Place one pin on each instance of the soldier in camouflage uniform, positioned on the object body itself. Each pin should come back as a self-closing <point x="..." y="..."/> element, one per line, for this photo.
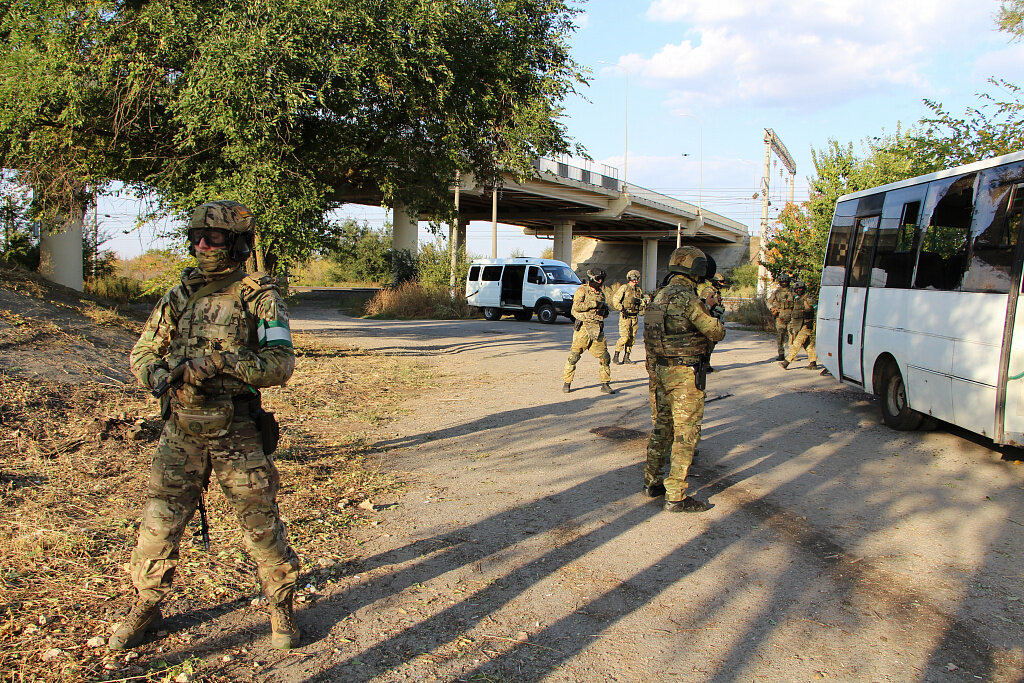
<point x="225" y="334"/>
<point x="709" y="292"/>
<point x="780" y="303"/>
<point x="629" y="300"/>
<point x="678" y="328"/>
<point x="801" y="327"/>
<point x="589" y="308"/>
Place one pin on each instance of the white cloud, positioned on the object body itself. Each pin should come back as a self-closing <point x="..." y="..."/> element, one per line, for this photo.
<point x="802" y="52"/>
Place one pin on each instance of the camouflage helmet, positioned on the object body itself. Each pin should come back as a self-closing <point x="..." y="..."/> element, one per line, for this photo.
<point x="633" y="275"/>
<point x="224" y="214"/>
<point x="718" y="280"/>
<point x="688" y="261"/>
<point x="596" y="274"/>
<point x="799" y="284"/>
<point x="784" y="279"/>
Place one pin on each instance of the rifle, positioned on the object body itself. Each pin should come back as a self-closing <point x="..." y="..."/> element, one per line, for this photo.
<point x="204" y="527"/>
<point x="171" y="380"/>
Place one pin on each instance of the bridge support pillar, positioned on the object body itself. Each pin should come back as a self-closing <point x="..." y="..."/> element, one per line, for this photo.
<point x="404" y="228"/>
<point x="562" y="248"/>
<point x="650" y="265"/>
<point x="60" y="253"/>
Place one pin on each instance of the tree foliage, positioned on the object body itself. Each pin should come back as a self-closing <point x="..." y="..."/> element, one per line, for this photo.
<point x="292" y="107"/>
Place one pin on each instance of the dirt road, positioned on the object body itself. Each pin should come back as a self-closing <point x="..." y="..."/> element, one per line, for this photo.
<point x="525" y="550"/>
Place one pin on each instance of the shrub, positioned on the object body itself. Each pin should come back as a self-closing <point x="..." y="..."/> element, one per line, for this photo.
<point x="743" y="276"/>
<point x="753" y="312"/>
<point x="118" y="288"/>
<point x="412" y="300"/>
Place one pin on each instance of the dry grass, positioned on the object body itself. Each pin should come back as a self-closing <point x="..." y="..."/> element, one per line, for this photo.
<point x="74" y="461"/>
<point x="752" y="312"/>
<point x="412" y="301"/>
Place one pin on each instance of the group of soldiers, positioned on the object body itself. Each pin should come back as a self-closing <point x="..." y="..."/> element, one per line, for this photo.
<point x="795" y="310"/>
<point x="221" y="334"/>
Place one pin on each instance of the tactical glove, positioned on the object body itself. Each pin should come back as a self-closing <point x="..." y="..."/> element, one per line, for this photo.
<point x="157" y="373"/>
<point x="718" y="310"/>
<point x="199" y="369"/>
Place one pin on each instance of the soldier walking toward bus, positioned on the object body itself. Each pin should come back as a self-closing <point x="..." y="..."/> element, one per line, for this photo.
<point x="801" y="326"/>
<point x="208" y="346"/>
<point x="678" y="329"/>
<point x="780" y="303"/>
<point x="589" y="308"/>
<point x="630" y="301"/>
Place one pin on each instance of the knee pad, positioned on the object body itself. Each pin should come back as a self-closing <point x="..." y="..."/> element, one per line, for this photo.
<point x="574" y="358"/>
<point x="606" y="359"/>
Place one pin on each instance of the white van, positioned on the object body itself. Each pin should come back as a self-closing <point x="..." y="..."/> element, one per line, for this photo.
<point x="520" y="287"/>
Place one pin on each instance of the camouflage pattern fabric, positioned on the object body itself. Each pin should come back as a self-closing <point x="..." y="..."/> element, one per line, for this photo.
<point x="629" y="299"/>
<point x="801" y="328"/>
<point x="590" y="309"/>
<point x="781" y="304"/>
<point x="677" y="405"/>
<point x="247" y="323"/>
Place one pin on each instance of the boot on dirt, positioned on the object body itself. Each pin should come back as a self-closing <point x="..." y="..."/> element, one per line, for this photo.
<point x="284" y="633"/>
<point x="654" y="490"/>
<point x="144" y="616"/>
<point x="709" y="369"/>
<point x="688" y="504"/>
<point x="565" y="388"/>
<point x="607" y="388"/>
<point x="812" y="366"/>
<point x="781" y="356"/>
<point x="615" y="359"/>
<point x="625" y="359"/>
<point x="784" y="364"/>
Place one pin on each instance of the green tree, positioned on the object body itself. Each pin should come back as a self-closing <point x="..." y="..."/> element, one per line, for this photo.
<point x="1011" y="18"/>
<point x="361" y="253"/>
<point x="293" y="107"/>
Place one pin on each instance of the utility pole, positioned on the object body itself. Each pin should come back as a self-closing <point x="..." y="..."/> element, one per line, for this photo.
<point x="772" y="143"/>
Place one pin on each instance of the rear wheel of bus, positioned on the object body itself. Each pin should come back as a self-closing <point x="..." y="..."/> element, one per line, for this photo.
<point x="546" y="313"/>
<point x="896" y="411"/>
<point x="491" y="313"/>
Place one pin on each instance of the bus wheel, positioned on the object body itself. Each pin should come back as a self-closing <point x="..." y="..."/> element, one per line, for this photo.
<point x="546" y="313"/>
<point x="491" y="313"/>
<point x="524" y="316"/>
<point x="896" y="412"/>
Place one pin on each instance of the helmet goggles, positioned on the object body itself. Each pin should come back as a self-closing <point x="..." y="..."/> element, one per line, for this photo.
<point x="215" y="237"/>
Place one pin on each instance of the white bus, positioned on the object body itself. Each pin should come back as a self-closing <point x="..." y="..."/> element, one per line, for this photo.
<point x="920" y="294"/>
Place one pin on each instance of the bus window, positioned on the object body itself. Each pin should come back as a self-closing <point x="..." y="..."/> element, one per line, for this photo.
<point x="535" y="276"/>
<point x="861" y="266"/>
<point x="474" y="273"/>
<point x="997" y="224"/>
<point x="491" y="274"/>
<point x="834" y="272"/>
<point x="943" y="256"/>
<point x="897" y="250"/>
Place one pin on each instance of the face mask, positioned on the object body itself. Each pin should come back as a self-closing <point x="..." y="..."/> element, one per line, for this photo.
<point x="214" y="262"/>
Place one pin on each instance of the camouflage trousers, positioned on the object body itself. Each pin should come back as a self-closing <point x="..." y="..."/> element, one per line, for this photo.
<point x="677" y="409"/>
<point x="181" y="466"/>
<point x="628" y="325"/>
<point x="782" y="330"/>
<point x="803" y="339"/>
<point x="582" y="341"/>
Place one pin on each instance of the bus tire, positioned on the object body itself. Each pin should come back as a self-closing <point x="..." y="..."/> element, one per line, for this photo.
<point x="546" y="313"/>
<point x="491" y="313"/>
<point x="896" y="412"/>
<point x="524" y="315"/>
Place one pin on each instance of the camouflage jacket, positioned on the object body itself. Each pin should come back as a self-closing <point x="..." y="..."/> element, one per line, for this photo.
<point x="709" y="294"/>
<point x="677" y="324"/>
<point x="781" y="303"/>
<point x="805" y="311"/>
<point x="629" y="299"/>
<point x="246" y="320"/>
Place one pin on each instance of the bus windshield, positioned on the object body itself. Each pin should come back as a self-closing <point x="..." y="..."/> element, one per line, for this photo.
<point x="561" y="275"/>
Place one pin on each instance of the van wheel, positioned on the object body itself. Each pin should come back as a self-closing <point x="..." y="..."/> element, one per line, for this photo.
<point x="896" y="412"/>
<point x="491" y="313"/>
<point x="524" y="316"/>
<point x="546" y="313"/>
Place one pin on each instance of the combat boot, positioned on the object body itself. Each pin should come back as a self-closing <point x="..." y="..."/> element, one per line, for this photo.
<point x="781" y="356"/>
<point x="615" y="359"/>
<point x="144" y="616"/>
<point x="688" y="504"/>
<point x="812" y="366"/>
<point x="625" y="359"/>
<point x="284" y="632"/>
<point x="784" y="364"/>
<point x="654" y="490"/>
<point x="565" y="388"/>
<point x="607" y="388"/>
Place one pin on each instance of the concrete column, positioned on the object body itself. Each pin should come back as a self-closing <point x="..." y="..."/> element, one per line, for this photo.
<point x="60" y="253"/>
<point x="562" y="248"/>
<point x="650" y="272"/>
<point x="404" y="228"/>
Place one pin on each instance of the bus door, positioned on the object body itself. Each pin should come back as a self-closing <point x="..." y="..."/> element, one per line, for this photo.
<point x="855" y="292"/>
<point x="1004" y="236"/>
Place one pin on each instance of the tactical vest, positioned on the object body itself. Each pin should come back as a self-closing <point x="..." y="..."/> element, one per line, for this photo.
<point x="785" y="299"/>
<point x="216" y="322"/>
<point x="630" y="300"/>
<point x="668" y="332"/>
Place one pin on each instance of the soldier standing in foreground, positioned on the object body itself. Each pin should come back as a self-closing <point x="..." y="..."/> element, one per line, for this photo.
<point x="780" y="303"/>
<point x="678" y="329"/>
<point x="629" y="301"/>
<point x="801" y="327"/>
<point x="224" y="334"/>
<point x="589" y="309"/>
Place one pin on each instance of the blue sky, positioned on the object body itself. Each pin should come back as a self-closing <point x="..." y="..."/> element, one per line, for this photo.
<point x="703" y="78"/>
